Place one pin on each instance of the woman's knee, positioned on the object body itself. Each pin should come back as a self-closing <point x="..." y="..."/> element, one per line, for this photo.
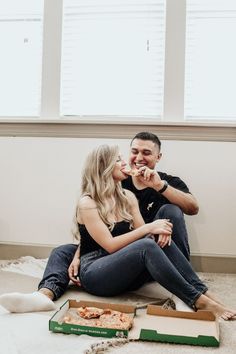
<point x="146" y="243"/>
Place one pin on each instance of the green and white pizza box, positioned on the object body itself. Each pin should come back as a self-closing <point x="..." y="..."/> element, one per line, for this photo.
<point x="154" y="324"/>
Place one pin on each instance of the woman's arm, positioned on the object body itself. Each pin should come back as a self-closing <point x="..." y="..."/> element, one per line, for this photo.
<point x="73" y="269"/>
<point x="88" y="215"/>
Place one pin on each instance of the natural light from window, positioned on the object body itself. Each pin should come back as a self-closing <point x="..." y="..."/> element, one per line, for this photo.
<point x="113" y="58"/>
<point x="21" y="24"/>
<point x="210" y="79"/>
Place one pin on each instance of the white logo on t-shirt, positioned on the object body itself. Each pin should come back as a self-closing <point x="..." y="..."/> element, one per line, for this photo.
<point x="150" y="205"/>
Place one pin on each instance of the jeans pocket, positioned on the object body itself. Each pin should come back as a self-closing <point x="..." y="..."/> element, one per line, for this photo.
<point x="89" y="258"/>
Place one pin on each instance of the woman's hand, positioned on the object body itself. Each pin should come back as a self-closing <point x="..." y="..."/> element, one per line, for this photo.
<point x="73" y="271"/>
<point x="163" y="228"/>
<point x="164" y="240"/>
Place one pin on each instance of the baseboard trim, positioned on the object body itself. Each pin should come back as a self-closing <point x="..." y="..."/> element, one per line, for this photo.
<point x="209" y="264"/>
<point x="213" y="264"/>
<point x="11" y="251"/>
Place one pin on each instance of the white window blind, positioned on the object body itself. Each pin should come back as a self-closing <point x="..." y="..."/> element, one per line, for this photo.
<point x="210" y="78"/>
<point x="113" y="58"/>
<point x="21" y="57"/>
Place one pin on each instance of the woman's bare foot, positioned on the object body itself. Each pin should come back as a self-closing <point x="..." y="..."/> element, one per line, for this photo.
<point x="219" y="310"/>
<point x="212" y="296"/>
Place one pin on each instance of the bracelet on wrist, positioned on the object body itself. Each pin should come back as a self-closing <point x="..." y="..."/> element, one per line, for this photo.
<point x="166" y="184"/>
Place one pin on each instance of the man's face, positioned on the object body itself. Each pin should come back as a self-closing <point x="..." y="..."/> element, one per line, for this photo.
<point x="143" y="153"/>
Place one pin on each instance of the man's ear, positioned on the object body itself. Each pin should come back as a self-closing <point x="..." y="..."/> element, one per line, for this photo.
<point x="159" y="156"/>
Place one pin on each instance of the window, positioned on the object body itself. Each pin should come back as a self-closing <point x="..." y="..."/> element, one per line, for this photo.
<point x="21" y="57"/>
<point x="113" y="58"/>
<point x="152" y="63"/>
<point x="210" y="79"/>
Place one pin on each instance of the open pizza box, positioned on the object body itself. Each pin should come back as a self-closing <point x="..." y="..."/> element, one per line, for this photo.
<point x="56" y="323"/>
<point x="153" y="324"/>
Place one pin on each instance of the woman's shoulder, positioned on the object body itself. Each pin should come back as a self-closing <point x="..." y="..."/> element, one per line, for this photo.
<point x="85" y="206"/>
<point x="86" y="202"/>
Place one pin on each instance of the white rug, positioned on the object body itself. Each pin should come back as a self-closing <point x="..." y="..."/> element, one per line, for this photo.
<point x="29" y="334"/>
<point x="25" y="265"/>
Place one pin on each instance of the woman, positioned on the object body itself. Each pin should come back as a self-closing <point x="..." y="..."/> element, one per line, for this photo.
<point x="118" y="251"/>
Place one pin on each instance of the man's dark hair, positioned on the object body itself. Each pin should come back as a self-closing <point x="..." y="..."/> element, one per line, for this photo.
<point x="148" y="136"/>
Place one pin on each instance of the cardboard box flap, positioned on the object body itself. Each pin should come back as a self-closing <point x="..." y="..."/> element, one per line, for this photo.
<point x="172" y="327"/>
<point x="199" y="315"/>
<point x="103" y="305"/>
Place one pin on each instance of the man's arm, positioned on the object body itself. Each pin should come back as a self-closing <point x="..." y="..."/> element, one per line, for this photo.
<point x="186" y="201"/>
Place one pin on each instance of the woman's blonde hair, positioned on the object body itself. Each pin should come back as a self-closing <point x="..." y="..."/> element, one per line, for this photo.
<point x="98" y="183"/>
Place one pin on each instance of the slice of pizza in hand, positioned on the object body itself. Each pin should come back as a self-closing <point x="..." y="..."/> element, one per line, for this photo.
<point x="131" y="172"/>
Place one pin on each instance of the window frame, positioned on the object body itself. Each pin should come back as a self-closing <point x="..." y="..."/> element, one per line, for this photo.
<point x="171" y="127"/>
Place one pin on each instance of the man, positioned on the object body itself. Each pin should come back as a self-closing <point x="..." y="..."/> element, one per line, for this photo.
<point x="160" y="196"/>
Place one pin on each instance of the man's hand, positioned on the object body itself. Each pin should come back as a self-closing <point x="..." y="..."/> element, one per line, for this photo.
<point x="73" y="271"/>
<point x="149" y="177"/>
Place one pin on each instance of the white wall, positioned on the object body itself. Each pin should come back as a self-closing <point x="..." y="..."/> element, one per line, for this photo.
<point x="40" y="178"/>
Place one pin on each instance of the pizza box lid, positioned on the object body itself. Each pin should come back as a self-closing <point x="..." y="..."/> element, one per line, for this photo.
<point x="161" y="325"/>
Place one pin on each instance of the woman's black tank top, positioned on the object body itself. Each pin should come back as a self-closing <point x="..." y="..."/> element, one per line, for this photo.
<point x="88" y="244"/>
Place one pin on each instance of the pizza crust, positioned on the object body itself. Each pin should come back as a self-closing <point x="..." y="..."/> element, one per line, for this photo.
<point x="131" y="172"/>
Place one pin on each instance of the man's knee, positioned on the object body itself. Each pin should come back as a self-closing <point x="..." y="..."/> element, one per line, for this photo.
<point x="170" y="211"/>
<point x="179" y="235"/>
<point x="64" y="250"/>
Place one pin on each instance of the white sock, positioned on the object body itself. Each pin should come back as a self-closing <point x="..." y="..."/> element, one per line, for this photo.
<point x="33" y="302"/>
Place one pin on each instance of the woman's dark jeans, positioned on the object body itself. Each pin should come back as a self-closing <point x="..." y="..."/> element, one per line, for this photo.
<point x="104" y="274"/>
<point x="56" y="276"/>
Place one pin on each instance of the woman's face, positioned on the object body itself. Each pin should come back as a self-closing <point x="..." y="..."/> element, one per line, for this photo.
<point x="118" y="174"/>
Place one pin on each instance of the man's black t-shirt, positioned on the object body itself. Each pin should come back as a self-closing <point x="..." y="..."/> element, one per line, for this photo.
<point x="150" y="200"/>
